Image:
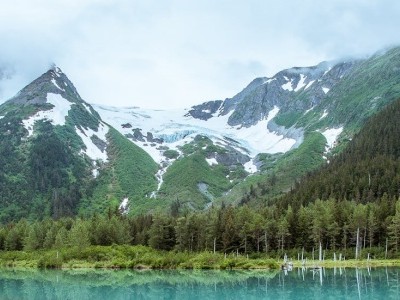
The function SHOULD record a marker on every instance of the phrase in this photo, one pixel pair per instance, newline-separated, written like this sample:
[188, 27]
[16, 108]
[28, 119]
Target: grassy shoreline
[351, 263]
[141, 257]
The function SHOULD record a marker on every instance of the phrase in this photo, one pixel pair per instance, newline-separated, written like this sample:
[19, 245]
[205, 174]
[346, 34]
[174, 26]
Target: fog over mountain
[176, 54]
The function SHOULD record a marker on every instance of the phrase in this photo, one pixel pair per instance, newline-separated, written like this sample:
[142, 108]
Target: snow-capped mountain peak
[54, 98]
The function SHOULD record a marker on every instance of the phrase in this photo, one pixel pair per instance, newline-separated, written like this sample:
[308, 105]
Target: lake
[339, 283]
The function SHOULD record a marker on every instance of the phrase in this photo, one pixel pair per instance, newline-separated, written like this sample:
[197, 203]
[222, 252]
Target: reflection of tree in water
[348, 283]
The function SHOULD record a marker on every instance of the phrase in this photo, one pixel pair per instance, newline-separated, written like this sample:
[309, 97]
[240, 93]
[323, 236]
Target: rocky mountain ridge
[247, 119]
[277, 128]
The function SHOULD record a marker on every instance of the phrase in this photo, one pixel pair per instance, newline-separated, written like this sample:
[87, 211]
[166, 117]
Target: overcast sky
[169, 54]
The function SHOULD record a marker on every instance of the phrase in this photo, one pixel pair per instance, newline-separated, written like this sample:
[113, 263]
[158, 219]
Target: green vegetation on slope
[288, 119]
[370, 86]
[133, 167]
[182, 179]
[367, 169]
[282, 174]
[130, 173]
[192, 181]
[78, 115]
[40, 175]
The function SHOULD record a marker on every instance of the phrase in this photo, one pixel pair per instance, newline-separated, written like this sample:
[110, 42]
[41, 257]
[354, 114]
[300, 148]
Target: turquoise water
[379, 283]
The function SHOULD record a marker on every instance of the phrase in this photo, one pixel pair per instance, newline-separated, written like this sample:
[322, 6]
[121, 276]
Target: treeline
[227, 229]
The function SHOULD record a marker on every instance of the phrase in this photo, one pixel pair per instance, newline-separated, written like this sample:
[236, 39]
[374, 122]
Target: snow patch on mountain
[324, 114]
[309, 84]
[261, 140]
[331, 135]
[153, 150]
[58, 71]
[177, 128]
[325, 90]
[123, 207]
[269, 80]
[56, 85]
[211, 161]
[250, 167]
[87, 107]
[91, 149]
[308, 110]
[301, 83]
[230, 142]
[287, 86]
[95, 173]
[55, 115]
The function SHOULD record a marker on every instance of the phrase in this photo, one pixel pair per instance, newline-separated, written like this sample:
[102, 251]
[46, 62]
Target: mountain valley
[62, 156]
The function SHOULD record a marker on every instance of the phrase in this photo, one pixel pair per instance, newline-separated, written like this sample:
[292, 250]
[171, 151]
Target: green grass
[351, 263]
[287, 119]
[141, 257]
[171, 154]
[130, 257]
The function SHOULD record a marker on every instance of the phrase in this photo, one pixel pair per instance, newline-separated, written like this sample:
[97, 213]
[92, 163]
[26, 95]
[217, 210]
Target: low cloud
[178, 53]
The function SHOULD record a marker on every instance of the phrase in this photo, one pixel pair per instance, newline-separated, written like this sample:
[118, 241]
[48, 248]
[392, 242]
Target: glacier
[176, 128]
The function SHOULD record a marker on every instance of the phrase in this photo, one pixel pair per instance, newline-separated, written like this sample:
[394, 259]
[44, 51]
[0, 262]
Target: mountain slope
[366, 170]
[321, 107]
[54, 150]
[63, 156]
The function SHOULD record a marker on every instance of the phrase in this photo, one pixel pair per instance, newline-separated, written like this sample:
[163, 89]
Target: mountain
[205, 151]
[63, 156]
[279, 128]
[366, 171]
[57, 154]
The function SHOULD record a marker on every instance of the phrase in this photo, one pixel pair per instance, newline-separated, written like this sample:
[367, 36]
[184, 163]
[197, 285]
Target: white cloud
[179, 53]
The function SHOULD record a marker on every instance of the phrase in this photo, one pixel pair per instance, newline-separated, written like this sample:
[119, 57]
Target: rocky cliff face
[270, 115]
[292, 90]
[205, 110]
[53, 81]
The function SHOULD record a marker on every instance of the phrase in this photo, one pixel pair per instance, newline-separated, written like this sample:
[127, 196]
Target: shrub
[50, 261]
[171, 154]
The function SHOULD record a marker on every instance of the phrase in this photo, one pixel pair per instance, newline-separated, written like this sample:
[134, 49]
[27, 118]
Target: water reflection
[361, 283]
[299, 283]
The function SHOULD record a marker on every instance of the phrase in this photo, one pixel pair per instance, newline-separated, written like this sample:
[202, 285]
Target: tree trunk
[365, 236]
[266, 242]
[386, 250]
[320, 251]
[215, 242]
[357, 242]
